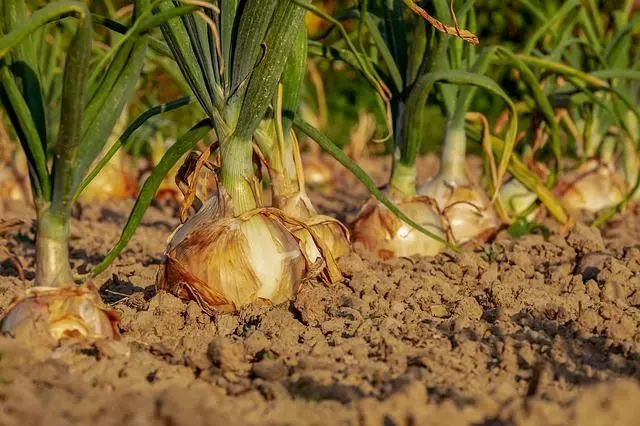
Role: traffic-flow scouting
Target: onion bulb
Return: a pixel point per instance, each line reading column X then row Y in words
column 465, row 208
column 384, row 234
column 60, row 312
column 592, row 186
column 225, row 263
column 14, row 175
column 116, row 181
column 316, row 171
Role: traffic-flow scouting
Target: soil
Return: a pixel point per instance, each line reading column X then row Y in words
column 527, row 331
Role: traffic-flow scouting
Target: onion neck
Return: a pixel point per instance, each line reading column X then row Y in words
column 237, row 175
column 403, row 178
column 52, row 249
column 454, row 151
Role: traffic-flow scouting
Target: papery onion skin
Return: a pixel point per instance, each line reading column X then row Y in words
column 335, row 235
column 332, row 233
column 591, row 187
column 465, row 208
column 385, row 235
column 61, row 312
column 228, row 263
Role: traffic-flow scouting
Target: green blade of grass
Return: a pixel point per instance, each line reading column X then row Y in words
column 619, row 74
column 156, row 45
column 228, row 9
column 293, row 78
column 25, row 66
column 362, row 176
column 254, row 21
column 151, row 185
column 560, row 68
column 27, row 131
column 557, row 17
column 543, row 104
column 160, row 18
column 112, row 100
column 385, row 53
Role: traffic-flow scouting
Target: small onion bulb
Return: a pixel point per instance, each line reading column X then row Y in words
column 464, row 207
column 316, row 171
column 593, row 186
column 384, row 234
column 516, row 198
column 116, row 181
column 60, row 312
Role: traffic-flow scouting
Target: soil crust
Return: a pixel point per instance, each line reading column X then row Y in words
column 527, row 331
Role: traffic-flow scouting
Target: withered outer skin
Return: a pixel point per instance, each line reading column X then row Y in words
column 61, row 312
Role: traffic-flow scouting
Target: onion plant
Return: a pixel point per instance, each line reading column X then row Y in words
column 93, row 96
column 413, row 61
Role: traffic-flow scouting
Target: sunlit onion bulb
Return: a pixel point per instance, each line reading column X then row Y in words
column 591, row 187
column 116, row 181
column 229, row 262
column 316, row 171
column 65, row 312
column 14, row 177
column 10, row 188
column 329, row 230
column 465, row 208
column 384, row 234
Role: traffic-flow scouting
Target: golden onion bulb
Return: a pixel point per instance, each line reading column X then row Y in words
column 116, row 181
column 60, row 312
column 225, row 263
column 329, row 230
column 10, row 188
column 592, row 186
column 316, row 171
column 384, row 234
column 465, row 208
column 14, row 184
